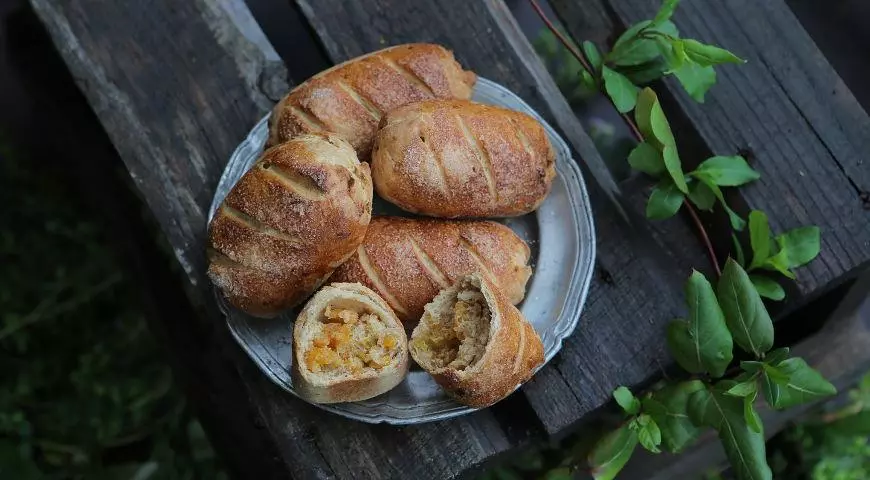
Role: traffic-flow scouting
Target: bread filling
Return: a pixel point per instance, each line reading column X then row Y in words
column 350, row 341
column 456, row 338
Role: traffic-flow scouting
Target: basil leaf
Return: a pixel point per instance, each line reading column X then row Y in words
column 695, row 79
column 701, row 195
column 744, row 446
column 648, row 433
column 665, row 11
column 738, row 250
column 767, row 288
column 674, row 166
column 802, row 244
column 709, row 55
column 724, row 171
column 779, row 263
column 737, row 223
column 593, row 55
column 743, row 389
column 701, row 343
column 664, row 201
column 612, row 452
column 668, row 408
column 745, row 315
column 647, row 159
column 759, row 238
column 802, row 385
column 629, row 403
column 620, row 89
column 751, row 415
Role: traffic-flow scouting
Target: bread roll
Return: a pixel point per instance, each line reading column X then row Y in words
column 475, row 344
column 348, row 346
column 407, row 261
column 299, row 212
column 455, row 158
column 351, row 98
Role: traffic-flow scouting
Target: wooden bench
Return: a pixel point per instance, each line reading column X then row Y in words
column 177, row 84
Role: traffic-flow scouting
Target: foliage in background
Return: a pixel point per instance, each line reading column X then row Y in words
column 84, row 391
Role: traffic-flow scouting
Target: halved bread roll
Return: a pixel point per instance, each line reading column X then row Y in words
column 456, row 158
column 408, row 261
column 348, row 346
column 475, row 344
column 351, row 97
column 298, row 213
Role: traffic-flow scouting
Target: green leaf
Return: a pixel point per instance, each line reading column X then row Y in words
column 647, row 159
column 774, row 373
column 701, row 195
column 627, row 400
column 668, row 408
column 593, row 55
column 709, row 55
column 611, row 453
column 751, row 415
column 774, row 357
column 802, row 385
column 751, row 366
column 802, row 244
column 664, row 201
column 643, row 115
column 737, row 223
column 701, row 343
column 743, row 389
column 630, row 33
column 588, row 81
column 648, row 433
column 678, row 56
column 759, row 238
column 665, row 11
column 620, row 89
column 561, row 473
column 674, row 167
column 738, row 249
column 779, row 263
column 646, row 72
column 695, row 79
column 767, row 287
column 745, row 315
column 724, row 171
column 744, row 446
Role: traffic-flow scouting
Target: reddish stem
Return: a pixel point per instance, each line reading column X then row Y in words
column 631, row 125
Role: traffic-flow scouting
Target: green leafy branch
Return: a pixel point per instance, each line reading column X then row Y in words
column 672, row 417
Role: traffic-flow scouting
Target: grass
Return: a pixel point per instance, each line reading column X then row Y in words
column 85, row 392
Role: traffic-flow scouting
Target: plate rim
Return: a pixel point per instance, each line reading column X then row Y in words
column 576, row 294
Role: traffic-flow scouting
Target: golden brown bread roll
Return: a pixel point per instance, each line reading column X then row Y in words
column 456, row 158
column 475, row 344
column 351, row 98
column 299, row 212
column 348, row 346
column 407, row 261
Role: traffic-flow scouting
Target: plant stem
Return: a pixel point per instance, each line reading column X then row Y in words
column 635, row 131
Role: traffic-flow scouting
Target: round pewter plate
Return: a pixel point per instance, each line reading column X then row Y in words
column 562, row 240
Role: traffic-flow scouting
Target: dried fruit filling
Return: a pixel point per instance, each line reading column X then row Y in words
column 350, row 341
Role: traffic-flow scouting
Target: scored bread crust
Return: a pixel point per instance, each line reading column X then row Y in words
column 298, row 213
column 351, row 98
column 513, row 350
column 457, row 158
column 408, row 261
column 349, row 388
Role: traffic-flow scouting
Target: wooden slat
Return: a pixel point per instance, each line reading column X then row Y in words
column 177, row 85
column 619, row 340
column 788, row 109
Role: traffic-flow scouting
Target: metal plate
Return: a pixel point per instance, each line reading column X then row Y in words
column 562, row 239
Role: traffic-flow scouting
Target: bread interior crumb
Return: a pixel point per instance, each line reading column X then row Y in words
column 455, row 335
column 350, row 340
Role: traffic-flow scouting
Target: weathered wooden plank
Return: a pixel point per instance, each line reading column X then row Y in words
column 177, row 85
column 802, row 127
column 619, row 339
